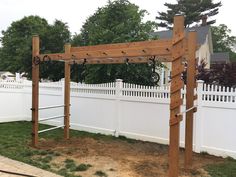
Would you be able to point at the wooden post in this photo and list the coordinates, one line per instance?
(175, 94)
(35, 89)
(67, 96)
(191, 82)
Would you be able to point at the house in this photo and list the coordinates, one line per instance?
(6, 75)
(204, 51)
(220, 58)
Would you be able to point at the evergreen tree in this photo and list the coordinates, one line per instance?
(194, 11)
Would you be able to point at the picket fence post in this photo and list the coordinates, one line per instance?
(119, 86)
(199, 117)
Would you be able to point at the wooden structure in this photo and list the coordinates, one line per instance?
(177, 50)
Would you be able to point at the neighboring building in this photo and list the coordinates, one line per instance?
(204, 41)
(6, 75)
(204, 51)
(220, 58)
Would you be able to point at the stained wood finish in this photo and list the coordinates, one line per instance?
(176, 85)
(115, 53)
(191, 82)
(67, 96)
(163, 52)
(35, 90)
(123, 46)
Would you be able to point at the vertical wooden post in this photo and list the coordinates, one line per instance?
(191, 82)
(35, 89)
(175, 94)
(67, 96)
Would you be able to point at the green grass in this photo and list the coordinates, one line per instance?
(83, 167)
(100, 173)
(15, 140)
(227, 169)
(15, 143)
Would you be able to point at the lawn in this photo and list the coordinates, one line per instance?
(87, 154)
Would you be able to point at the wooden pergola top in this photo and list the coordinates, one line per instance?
(133, 52)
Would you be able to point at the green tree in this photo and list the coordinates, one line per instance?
(16, 54)
(223, 41)
(194, 11)
(118, 21)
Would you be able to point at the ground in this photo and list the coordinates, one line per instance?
(121, 158)
(88, 155)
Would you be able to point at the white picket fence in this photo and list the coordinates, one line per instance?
(134, 111)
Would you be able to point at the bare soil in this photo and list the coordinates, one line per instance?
(121, 158)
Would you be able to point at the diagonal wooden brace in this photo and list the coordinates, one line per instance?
(176, 120)
(176, 104)
(177, 39)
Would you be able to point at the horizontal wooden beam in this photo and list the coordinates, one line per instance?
(123, 46)
(117, 53)
(162, 52)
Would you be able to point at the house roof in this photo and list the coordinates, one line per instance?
(202, 32)
(220, 57)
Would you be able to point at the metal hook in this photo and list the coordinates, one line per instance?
(36, 60)
(127, 61)
(46, 58)
(85, 60)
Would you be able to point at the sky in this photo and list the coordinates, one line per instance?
(75, 12)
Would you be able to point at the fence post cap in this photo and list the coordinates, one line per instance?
(119, 80)
(200, 81)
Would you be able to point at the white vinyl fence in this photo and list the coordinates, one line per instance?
(134, 111)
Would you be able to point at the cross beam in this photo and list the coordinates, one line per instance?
(136, 52)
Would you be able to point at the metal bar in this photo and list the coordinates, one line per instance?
(49, 118)
(49, 107)
(187, 110)
(53, 128)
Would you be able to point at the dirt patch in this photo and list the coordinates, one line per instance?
(120, 158)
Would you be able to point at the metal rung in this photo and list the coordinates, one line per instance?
(49, 118)
(49, 107)
(181, 113)
(53, 128)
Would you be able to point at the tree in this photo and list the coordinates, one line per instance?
(220, 74)
(119, 21)
(223, 41)
(16, 54)
(194, 11)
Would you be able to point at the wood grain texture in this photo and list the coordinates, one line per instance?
(191, 82)
(67, 96)
(176, 85)
(35, 90)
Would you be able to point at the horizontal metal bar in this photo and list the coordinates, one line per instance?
(53, 128)
(185, 111)
(50, 107)
(49, 118)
